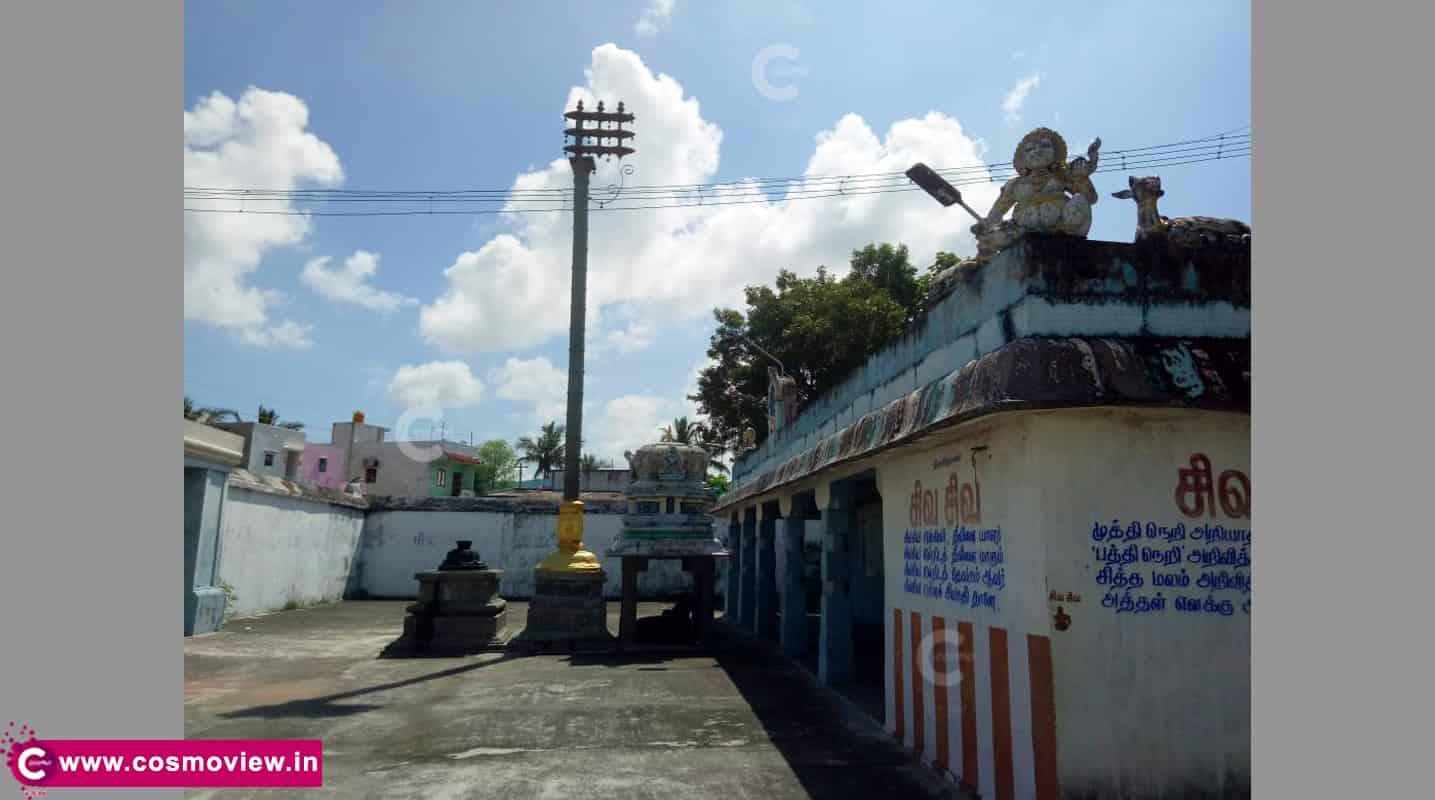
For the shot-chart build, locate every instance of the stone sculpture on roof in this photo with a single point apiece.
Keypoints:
(1182, 231)
(1048, 194)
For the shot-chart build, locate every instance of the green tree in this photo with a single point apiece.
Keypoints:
(499, 468)
(684, 432)
(820, 328)
(890, 269)
(546, 451)
(268, 416)
(590, 462)
(206, 413)
(681, 431)
(718, 483)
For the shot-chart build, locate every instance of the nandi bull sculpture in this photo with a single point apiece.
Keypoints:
(1184, 231)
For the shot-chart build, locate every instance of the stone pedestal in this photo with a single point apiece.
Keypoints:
(457, 613)
(566, 613)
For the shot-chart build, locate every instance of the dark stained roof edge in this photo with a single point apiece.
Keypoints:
(1035, 373)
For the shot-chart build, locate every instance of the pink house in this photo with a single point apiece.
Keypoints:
(323, 464)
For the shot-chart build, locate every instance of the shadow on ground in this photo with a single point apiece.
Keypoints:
(736, 720)
(327, 706)
(833, 747)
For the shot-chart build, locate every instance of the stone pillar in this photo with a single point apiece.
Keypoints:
(204, 493)
(834, 658)
(703, 570)
(766, 610)
(628, 613)
(733, 566)
(794, 594)
(747, 593)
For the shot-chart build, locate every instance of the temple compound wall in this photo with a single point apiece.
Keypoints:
(512, 537)
(272, 544)
(1059, 518)
(286, 546)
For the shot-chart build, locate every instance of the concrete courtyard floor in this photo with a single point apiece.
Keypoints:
(737, 722)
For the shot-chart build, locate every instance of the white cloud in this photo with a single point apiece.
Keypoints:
(288, 334)
(537, 382)
(634, 338)
(438, 384)
(348, 285)
(258, 142)
(627, 423)
(630, 333)
(655, 15)
(1016, 98)
(676, 264)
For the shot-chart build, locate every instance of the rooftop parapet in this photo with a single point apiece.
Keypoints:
(1044, 287)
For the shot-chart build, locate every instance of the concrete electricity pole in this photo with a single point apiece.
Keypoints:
(567, 608)
(587, 142)
(594, 133)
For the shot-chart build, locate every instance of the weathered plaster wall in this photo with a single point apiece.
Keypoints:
(259, 438)
(398, 543)
(1124, 699)
(1149, 701)
(968, 493)
(595, 480)
(280, 550)
(204, 495)
(1044, 287)
(333, 476)
(397, 474)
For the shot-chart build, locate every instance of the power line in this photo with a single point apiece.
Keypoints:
(1214, 143)
(685, 200)
(1132, 156)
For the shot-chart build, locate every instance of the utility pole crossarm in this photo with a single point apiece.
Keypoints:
(594, 133)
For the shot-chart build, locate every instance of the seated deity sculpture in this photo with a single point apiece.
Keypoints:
(1048, 195)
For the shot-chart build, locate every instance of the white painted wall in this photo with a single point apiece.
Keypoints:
(396, 544)
(1143, 696)
(277, 550)
(1147, 703)
(1009, 503)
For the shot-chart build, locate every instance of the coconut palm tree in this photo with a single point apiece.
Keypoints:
(546, 450)
(590, 462)
(684, 432)
(268, 416)
(207, 413)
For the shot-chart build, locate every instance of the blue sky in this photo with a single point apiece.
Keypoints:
(469, 313)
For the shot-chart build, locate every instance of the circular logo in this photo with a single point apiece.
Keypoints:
(938, 667)
(34, 763)
(760, 77)
(423, 454)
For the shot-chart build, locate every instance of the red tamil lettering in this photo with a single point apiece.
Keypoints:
(1234, 490)
(1195, 491)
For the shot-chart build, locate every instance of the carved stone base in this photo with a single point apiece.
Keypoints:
(566, 613)
(457, 613)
